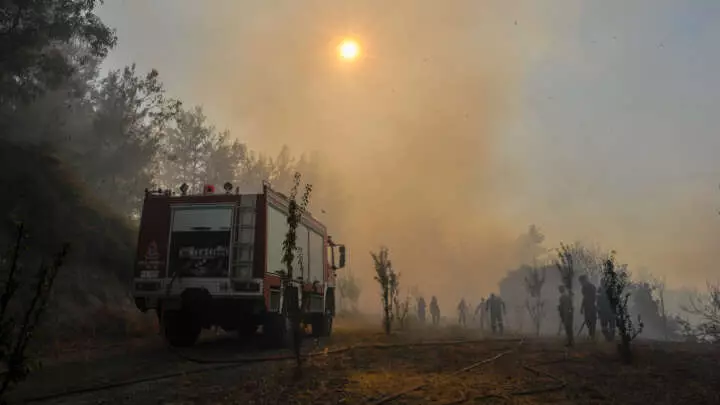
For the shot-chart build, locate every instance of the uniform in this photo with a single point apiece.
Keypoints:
(496, 306)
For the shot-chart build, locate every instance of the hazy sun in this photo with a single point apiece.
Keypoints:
(349, 49)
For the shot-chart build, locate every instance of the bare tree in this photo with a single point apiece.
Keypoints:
(535, 305)
(707, 308)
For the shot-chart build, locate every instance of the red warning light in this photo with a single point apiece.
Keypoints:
(209, 189)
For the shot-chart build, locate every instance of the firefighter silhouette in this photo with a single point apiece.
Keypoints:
(496, 306)
(435, 311)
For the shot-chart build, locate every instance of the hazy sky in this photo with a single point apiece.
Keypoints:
(592, 119)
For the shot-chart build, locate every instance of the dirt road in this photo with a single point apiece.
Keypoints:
(378, 368)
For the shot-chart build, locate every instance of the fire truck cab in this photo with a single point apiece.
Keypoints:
(215, 259)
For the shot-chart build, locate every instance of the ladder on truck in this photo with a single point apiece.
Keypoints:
(243, 239)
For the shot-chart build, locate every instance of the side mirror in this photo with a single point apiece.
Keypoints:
(341, 260)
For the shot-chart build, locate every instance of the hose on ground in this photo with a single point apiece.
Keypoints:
(234, 363)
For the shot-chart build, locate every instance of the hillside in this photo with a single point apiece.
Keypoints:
(41, 191)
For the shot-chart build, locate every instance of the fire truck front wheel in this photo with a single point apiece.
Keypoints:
(180, 330)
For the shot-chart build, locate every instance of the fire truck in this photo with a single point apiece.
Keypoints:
(215, 260)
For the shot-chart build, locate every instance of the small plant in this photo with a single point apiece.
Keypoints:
(616, 281)
(290, 252)
(534, 304)
(388, 280)
(15, 336)
(566, 266)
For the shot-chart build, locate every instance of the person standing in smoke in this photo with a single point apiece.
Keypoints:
(434, 311)
(462, 312)
(606, 313)
(565, 312)
(481, 309)
(496, 306)
(589, 306)
(421, 310)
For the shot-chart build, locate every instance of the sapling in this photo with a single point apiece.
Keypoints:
(385, 276)
(566, 266)
(16, 336)
(291, 309)
(616, 281)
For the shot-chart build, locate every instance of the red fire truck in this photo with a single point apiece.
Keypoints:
(215, 259)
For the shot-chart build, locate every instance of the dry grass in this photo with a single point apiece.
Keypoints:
(587, 374)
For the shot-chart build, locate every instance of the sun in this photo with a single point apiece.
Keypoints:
(349, 49)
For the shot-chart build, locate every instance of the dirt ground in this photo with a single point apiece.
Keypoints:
(425, 366)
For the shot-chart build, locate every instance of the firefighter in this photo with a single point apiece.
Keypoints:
(434, 311)
(565, 312)
(496, 306)
(421, 310)
(481, 309)
(605, 312)
(589, 307)
(462, 312)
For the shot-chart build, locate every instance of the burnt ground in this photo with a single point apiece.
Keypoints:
(532, 372)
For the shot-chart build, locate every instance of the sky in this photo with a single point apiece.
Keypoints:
(465, 122)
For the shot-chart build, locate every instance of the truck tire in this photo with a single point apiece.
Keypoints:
(179, 329)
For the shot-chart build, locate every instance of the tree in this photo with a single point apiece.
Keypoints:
(290, 249)
(707, 308)
(386, 277)
(187, 148)
(31, 34)
(535, 305)
(349, 291)
(566, 266)
(118, 155)
(224, 160)
(616, 281)
(530, 246)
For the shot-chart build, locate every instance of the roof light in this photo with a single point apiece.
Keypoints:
(184, 189)
(209, 189)
(228, 187)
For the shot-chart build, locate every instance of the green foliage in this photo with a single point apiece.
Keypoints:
(389, 283)
(131, 114)
(31, 35)
(616, 281)
(16, 334)
(290, 249)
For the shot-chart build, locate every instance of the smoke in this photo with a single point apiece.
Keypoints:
(408, 133)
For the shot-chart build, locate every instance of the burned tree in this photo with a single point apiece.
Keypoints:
(388, 280)
(535, 305)
(291, 307)
(616, 281)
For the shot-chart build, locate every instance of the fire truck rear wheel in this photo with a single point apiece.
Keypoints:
(180, 330)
